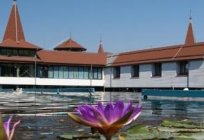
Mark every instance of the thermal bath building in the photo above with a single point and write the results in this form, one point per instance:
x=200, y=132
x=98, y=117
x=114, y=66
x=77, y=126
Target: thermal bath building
x=177, y=66
x=24, y=65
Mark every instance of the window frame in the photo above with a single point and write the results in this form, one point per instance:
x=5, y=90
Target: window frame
x=135, y=71
x=157, y=70
x=182, y=68
x=116, y=72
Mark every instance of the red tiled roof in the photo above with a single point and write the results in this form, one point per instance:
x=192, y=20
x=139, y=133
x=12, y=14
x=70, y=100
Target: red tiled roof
x=21, y=59
x=20, y=44
x=70, y=45
x=14, y=35
x=67, y=57
x=171, y=53
x=190, y=50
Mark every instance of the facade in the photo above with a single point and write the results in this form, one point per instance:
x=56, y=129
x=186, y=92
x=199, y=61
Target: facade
x=177, y=66
x=23, y=64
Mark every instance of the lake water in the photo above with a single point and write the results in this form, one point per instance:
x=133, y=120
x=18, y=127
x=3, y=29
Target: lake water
x=44, y=116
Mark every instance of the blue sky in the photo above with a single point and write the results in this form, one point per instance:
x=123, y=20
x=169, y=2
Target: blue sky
x=124, y=25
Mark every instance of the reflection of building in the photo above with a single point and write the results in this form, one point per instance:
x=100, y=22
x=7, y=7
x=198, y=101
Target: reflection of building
x=176, y=66
x=25, y=64
x=156, y=107
x=181, y=109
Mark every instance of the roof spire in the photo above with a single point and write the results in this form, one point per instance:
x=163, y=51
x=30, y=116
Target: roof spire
x=190, y=36
x=14, y=29
x=100, y=49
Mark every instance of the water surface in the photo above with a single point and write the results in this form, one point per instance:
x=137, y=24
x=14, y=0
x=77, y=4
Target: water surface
x=45, y=116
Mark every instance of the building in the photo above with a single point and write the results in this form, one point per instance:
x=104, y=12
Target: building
x=23, y=64
x=176, y=66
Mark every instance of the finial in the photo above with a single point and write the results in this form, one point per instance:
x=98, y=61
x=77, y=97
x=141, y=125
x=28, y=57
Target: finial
x=100, y=39
x=14, y=2
x=70, y=35
x=190, y=16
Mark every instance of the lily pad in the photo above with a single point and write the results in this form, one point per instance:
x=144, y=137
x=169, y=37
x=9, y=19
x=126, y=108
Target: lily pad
x=69, y=136
x=180, y=124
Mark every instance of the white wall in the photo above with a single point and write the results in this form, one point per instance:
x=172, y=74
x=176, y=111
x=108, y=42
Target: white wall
x=169, y=78
x=50, y=82
x=196, y=75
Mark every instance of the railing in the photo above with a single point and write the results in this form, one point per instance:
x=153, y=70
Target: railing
x=63, y=92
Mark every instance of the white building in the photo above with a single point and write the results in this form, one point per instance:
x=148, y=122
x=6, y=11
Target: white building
x=177, y=66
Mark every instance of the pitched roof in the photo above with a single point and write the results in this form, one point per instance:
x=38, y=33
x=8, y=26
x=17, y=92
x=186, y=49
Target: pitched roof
x=187, y=51
x=20, y=59
x=14, y=29
x=14, y=35
x=71, y=45
x=74, y=58
x=20, y=45
x=190, y=40
x=170, y=53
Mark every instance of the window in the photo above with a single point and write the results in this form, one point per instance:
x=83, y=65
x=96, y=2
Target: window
x=135, y=71
x=76, y=73
x=66, y=75
x=61, y=74
x=95, y=73
x=81, y=73
x=100, y=73
x=156, y=69
x=116, y=72
x=50, y=72
x=182, y=68
x=25, y=71
x=56, y=72
x=86, y=73
x=71, y=72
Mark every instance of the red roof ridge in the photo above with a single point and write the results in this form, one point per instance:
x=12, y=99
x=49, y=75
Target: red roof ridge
x=71, y=52
x=151, y=49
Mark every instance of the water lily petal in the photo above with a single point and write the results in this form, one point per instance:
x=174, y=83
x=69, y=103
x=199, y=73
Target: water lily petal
x=13, y=130
x=88, y=114
x=124, y=119
x=7, y=126
x=116, y=126
x=82, y=121
x=118, y=110
x=99, y=107
x=135, y=114
x=108, y=111
x=127, y=108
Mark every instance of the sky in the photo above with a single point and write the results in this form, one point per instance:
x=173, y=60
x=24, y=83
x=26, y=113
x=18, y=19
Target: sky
x=123, y=25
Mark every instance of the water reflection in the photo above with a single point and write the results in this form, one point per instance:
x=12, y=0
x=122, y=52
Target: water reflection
x=156, y=108
x=47, y=113
x=181, y=109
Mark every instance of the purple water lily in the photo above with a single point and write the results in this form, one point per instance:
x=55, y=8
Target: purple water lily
x=6, y=131
x=107, y=119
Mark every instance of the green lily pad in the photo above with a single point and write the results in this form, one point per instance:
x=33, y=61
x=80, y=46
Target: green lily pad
x=68, y=136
